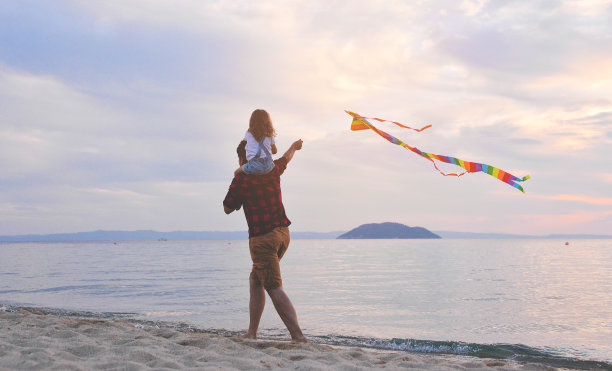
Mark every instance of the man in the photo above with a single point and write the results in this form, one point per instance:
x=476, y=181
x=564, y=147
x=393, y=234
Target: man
x=261, y=198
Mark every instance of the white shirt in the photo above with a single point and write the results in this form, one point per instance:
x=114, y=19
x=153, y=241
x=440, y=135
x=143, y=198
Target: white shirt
x=253, y=145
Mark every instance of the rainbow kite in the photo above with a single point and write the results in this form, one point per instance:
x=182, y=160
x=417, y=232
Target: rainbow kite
x=362, y=123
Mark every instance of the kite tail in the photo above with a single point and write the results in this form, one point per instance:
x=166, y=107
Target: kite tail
x=362, y=123
x=474, y=167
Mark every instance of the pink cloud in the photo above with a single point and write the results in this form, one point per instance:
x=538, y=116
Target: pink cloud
x=571, y=223
x=602, y=201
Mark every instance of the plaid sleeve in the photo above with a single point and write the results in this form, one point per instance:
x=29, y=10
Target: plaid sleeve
x=233, y=198
x=281, y=164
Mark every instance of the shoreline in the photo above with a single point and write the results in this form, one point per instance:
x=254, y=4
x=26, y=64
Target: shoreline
x=36, y=339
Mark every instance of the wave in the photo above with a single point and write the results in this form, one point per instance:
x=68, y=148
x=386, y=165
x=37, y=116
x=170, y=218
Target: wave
x=512, y=352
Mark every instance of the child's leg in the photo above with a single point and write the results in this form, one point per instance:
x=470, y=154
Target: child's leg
x=256, y=166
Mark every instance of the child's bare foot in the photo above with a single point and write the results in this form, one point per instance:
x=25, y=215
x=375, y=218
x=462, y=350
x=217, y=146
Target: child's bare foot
x=248, y=336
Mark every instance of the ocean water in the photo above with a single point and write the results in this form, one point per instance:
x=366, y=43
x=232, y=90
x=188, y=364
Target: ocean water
x=531, y=300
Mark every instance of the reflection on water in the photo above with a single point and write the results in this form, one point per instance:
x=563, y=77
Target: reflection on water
x=533, y=292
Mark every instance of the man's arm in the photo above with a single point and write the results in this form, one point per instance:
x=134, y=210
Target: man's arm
x=233, y=199
x=295, y=146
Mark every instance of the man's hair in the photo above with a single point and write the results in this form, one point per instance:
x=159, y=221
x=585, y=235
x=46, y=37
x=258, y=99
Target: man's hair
x=241, y=150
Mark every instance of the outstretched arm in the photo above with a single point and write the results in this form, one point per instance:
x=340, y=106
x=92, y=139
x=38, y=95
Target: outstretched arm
x=295, y=146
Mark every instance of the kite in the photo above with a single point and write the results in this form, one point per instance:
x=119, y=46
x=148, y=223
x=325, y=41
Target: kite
x=362, y=123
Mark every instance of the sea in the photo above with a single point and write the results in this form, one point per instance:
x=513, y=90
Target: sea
x=544, y=301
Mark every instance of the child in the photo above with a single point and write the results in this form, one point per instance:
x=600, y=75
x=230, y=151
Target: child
x=260, y=144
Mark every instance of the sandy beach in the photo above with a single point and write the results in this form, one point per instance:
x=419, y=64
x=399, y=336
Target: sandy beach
x=33, y=340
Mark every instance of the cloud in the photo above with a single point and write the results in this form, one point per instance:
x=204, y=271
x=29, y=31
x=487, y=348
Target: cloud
x=134, y=109
x=579, y=221
x=600, y=201
x=589, y=8
x=51, y=127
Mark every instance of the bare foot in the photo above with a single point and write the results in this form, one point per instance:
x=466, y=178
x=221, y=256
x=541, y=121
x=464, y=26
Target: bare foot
x=248, y=336
x=299, y=340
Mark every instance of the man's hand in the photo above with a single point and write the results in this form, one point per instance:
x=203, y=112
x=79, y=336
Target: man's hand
x=295, y=146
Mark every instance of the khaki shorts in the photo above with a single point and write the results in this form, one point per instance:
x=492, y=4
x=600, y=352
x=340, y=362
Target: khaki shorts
x=266, y=253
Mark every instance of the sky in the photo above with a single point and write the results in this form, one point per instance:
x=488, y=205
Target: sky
x=125, y=114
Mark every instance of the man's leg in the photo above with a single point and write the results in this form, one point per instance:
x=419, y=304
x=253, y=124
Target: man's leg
x=257, y=302
x=287, y=313
x=266, y=251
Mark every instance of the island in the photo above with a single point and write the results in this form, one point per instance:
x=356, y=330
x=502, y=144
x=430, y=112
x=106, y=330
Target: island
x=387, y=230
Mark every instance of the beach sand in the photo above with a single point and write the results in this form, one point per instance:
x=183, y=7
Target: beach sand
x=31, y=340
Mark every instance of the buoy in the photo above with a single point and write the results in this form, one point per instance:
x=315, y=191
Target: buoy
x=567, y=243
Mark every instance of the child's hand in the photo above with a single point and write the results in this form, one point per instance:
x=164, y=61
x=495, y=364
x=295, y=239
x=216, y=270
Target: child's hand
x=297, y=144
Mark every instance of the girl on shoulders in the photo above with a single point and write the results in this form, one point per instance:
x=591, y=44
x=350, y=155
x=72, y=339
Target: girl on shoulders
x=260, y=145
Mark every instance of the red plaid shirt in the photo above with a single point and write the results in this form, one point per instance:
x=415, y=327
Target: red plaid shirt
x=261, y=198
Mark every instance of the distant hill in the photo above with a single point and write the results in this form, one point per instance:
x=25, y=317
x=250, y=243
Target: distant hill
x=148, y=235
x=387, y=230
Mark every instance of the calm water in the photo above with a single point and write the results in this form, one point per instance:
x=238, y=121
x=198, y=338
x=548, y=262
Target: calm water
x=520, y=299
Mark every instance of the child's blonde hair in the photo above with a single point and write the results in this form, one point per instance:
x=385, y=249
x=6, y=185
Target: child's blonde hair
x=260, y=125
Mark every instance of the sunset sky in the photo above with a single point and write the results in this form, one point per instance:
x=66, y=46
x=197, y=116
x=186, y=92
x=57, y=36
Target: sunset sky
x=125, y=114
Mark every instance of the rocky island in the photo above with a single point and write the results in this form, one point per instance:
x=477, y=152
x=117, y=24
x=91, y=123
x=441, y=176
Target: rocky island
x=387, y=230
